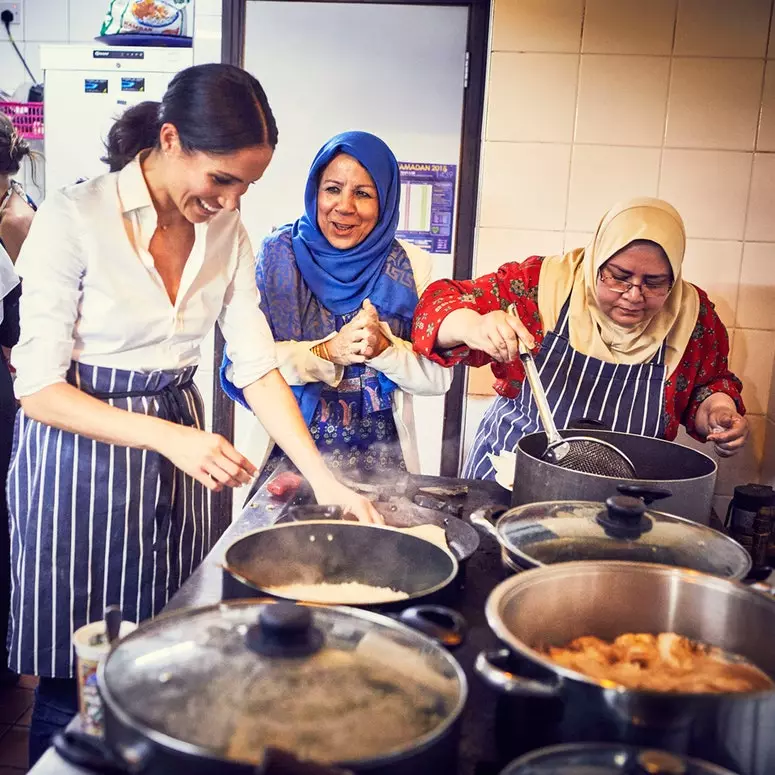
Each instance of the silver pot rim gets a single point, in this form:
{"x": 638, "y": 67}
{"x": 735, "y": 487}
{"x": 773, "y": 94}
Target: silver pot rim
{"x": 570, "y": 569}
{"x": 181, "y": 746}
{"x": 520, "y": 450}
{"x": 533, "y": 563}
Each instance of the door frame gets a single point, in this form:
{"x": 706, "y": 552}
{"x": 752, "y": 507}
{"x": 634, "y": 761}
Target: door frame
{"x": 234, "y": 13}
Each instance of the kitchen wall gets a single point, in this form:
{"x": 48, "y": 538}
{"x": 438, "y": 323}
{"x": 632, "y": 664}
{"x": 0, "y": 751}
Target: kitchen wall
{"x": 591, "y": 102}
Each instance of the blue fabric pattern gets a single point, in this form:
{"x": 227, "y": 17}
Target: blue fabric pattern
{"x": 344, "y": 278}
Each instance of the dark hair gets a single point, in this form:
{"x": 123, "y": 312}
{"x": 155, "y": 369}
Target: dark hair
{"x": 215, "y": 108}
{"x": 13, "y": 147}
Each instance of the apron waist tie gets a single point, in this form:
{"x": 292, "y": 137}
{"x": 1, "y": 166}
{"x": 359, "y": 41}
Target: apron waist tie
{"x": 173, "y": 407}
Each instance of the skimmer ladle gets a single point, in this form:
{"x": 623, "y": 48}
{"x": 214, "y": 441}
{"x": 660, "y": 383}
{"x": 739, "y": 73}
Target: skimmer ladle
{"x": 577, "y": 453}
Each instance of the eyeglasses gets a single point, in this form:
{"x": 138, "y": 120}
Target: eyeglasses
{"x": 648, "y": 288}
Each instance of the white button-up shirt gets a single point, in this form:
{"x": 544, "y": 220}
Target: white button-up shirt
{"x": 91, "y": 292}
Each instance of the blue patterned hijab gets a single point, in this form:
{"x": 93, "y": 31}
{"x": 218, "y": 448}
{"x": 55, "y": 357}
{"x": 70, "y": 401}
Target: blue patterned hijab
{"x": 344, "y": 278}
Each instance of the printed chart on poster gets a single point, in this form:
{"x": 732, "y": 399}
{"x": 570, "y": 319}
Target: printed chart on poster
{"x": 427, "y": 205}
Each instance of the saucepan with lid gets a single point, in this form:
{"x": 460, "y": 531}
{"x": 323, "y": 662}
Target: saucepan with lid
{"x": 210, "y": 690}
{"x": 622, "y": 528}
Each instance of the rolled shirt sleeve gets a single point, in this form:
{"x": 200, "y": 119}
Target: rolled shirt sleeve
{"x": 52, "y": 267}
{"x": 249, "y": 343}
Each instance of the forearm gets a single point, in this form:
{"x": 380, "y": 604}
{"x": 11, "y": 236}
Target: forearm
{"x": 714, "y": 401}
{"x": 64, "y": 406}
{"x": 452, "y": 330}
{"x": 273, "y": 403}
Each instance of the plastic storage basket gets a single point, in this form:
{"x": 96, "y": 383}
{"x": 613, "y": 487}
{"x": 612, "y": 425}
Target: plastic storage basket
{"x": 27, "y": 117}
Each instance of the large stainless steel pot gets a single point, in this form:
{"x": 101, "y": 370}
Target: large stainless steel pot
{"x": 554, "y": 605}
{"x": 208, "y": 691}
{"x": 688, "y": 474}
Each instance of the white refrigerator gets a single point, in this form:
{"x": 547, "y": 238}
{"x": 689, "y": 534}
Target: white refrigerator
{"x": 86, "y": 88}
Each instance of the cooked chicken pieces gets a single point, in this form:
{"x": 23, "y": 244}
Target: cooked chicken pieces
{"x": 666, "y": 662}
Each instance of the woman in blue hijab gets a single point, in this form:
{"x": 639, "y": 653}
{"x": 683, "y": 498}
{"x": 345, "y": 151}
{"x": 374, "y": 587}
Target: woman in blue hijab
{"x": 339, "y": 292}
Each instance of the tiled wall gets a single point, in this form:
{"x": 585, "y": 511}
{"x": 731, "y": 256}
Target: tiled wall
{"x": 590, "y": 102}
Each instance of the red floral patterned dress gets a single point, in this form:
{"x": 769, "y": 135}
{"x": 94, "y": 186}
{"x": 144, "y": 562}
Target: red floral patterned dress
{"x": 703, "y": 369}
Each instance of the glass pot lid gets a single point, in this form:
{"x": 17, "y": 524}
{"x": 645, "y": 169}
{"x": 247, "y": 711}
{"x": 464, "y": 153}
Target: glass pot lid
{"x": 622, "y": 528}
{"x": 605, "y": 759}
{"x": 330, "y": 685}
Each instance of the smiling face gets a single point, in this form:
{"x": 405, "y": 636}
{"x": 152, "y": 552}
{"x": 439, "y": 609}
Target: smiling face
{"x": 348, "y": 202}
{"x": 645, "y": 265}
{"x": 202, "y": 184}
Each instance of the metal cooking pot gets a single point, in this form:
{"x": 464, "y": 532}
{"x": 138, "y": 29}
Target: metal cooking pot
{"x": 208, "y": 690}
{"x": 689, "y": 475}
{"x": 608, "y": 759}
{"x": 622, "y": 528}
{"x": 335, "y": 552}
{"x": 554, "y": 605}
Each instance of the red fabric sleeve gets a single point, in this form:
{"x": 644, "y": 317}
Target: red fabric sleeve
{"x": 514, "y": 283}
{"x": 704, "y": 369}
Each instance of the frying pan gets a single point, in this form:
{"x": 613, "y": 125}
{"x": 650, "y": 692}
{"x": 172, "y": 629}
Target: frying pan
{"x": 318, "y": 551}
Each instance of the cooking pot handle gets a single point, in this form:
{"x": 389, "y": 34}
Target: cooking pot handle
{"x": 93, "y": 754}
{"x": 508, "y": 682}
{"x": 647, "y": 493}
{"x": 484, "y": 518}
{"x": 447, "y": 627}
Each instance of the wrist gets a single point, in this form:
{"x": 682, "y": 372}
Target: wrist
{"x": 321, "y": 351}
{"x": 155, "y": 433}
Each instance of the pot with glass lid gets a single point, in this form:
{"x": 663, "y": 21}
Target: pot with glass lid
{"x": 622, "y": 528}
{"x": 222, "y": 689}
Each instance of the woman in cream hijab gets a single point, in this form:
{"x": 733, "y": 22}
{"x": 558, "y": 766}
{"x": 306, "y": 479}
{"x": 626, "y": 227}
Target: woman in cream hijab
{"x": 624, "y": 340}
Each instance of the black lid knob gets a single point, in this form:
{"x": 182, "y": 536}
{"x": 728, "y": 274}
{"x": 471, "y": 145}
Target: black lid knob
{"x": 647, "y": 493}
{"x": 624, "y": 517}
{"x": 284, "y": 630}
{"x": 752, "y": 497}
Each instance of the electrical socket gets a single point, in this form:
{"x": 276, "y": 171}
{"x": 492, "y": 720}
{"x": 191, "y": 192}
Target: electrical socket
{"x": 15, "y": 9}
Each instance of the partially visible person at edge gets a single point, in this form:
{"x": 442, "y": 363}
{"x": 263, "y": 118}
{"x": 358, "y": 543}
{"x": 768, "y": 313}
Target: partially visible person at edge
{"x": 10, "y": 290}
{"x": 16, "y": 207}
{"x": 622, "y": 338}
{"x": 339, "y": 292}
{"x": 124, "y": 275}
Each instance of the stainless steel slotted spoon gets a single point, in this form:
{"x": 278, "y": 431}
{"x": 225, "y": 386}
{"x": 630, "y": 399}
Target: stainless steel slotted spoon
{"x": 578, "y": 453}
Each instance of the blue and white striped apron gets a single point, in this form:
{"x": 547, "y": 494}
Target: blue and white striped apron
{"x": 627, "y": 398}
{"x": 96, "y": 524}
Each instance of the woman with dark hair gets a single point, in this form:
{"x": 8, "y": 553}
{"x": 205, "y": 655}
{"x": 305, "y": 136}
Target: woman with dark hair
{"x": 16, "y": 207}
{"x": 125, "y": 274}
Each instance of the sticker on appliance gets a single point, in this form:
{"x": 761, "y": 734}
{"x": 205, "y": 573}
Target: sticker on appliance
{"x": 427, "y": 205}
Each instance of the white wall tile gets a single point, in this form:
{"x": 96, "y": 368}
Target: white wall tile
{"x": 771, "y": 49}
{"x": 532, "y": 97}
{"x": 602, "y": 175}
{"x": 756, "y": 302}
{"x": 722, "y": 28}
{"x": 771, "y": 404}
{"x": 500, "y": 246}
{"x": 32, "y": 55}
{"x": 206, "y": 50}
{"x": 746, "y": 465}
{"x": 761, "y": 209}
{"x": 577, "y": 239}
{"x": 45, "y": 20}
{"x": 752, "y": 361}
{"x": 480, "y": 381}
{"x": 208, "y": 26}
{"x": 629, "y": 26}
{"x": 768, "y": 463}
{"x": 714, "y": 103}
{"x": 535, "y": 25}
{"x": 12, "y": 73}
{"x": 524, "y": 185}
{"x": 709, "y": 189}
{"x": 714, "y": 265}
{"x": 765, "y": 140}
{"x": 622, "y": 99}
{"x": 85, "y": 19}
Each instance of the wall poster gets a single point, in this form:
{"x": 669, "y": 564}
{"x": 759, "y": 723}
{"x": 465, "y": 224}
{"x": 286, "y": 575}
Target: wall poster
{"x": 427, "y": 205}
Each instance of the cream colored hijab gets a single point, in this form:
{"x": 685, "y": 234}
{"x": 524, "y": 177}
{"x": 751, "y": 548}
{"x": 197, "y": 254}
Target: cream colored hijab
{"x": 574, "y": 274}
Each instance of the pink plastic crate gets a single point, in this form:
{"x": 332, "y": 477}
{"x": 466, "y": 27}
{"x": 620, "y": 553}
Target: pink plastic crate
{"x": 27, "y": 117}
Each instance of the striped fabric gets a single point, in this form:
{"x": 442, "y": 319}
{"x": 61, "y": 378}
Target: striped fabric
{"x": 628, "y": 399}
{"x": 96, "y": 524}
